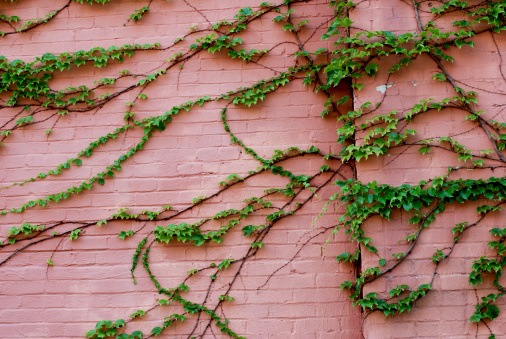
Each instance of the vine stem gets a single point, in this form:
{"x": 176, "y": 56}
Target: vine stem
{"x": 480, "y": 119}
{"x": 397, "y": 263}
{"x": 40, "y": 22}
{"x": 41, "y": 240}
{"x": 500, "y": 56}
{"x": 417, "y": 15}
{"x": 295, "y": 255}
{"x": 263, "y": 234}
{"x": 363, "y": 322}
{"x": 458, "y": 238}
{"x": 179, "y": 212}
{"x": 311, "y": 61}
{"x": 450, "y": 79}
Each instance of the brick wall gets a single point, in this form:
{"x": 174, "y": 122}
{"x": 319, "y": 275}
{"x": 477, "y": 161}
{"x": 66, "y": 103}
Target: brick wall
{"x": 290, "y": 288}
{"x": 90, "y": 280}
{"x": 446, "y": 310}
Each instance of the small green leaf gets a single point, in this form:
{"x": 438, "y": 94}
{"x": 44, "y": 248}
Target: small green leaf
{"x": 75, "y": 234}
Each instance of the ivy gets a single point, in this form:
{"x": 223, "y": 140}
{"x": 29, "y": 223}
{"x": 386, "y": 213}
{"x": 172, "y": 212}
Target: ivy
{"x": 26, "y": 229}
{"x": 105, "y": 328}
{"x": 75, "y": 234}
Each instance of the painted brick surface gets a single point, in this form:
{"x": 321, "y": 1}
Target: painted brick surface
{"x": 291, "y": 287}
{"x": 284, "y": 291}
{"x": 446, "y": 310}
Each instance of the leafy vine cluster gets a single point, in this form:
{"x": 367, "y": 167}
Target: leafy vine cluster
{"x": 364, "y": 132}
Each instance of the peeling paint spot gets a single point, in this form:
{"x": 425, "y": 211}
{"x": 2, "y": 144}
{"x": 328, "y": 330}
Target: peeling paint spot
{"x": 383, "y": 88}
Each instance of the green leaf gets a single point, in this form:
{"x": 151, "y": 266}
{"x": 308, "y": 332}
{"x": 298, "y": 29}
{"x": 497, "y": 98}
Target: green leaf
{"x": 424, "y": 149}
{"x": 139, "y": 313}
{"x": 288, "y": 27}
{"x": 343, "y": 257}
{"x": 124, "y": 234}
{"x": 245, "y": 11}
{"x": 440, "y": 77}
{"x": 371, "y": 69}
{"x": 75, "y": 234}
{"x": 156, "y": 331}
{"x": 248, "y": 230}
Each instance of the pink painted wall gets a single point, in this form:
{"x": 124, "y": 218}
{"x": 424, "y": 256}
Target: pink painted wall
{"x": 90, "y": 280}
{"x": 446, "y": 310}
{"x": 291, "y": 287}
